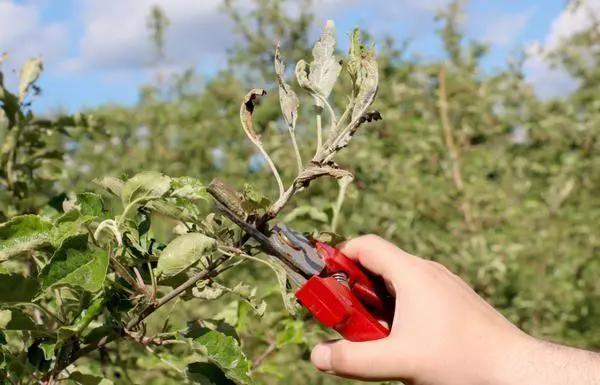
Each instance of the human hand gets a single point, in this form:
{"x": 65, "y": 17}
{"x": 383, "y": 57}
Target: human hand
{"x": 443, "y": 332}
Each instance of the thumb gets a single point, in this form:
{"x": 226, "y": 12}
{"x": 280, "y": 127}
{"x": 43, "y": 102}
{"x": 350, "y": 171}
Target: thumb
{"x": 358, "y": 360}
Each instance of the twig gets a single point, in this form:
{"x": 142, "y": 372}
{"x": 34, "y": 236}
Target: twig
{"x": 260, "y": 359}
{"x": 451, "y": 146}
{"x": 209, "y": 272}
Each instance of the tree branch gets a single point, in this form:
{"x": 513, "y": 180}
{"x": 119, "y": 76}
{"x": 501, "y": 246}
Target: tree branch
{"x": 451, "y": 146}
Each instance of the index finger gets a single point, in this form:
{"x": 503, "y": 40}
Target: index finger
{"x": 376, "y": 254}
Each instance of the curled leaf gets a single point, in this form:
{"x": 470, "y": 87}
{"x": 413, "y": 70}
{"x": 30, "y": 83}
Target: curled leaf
{"x": 246, "y": 110}
{"x": 302, "y": 77}
{"x": 207, "y": 291}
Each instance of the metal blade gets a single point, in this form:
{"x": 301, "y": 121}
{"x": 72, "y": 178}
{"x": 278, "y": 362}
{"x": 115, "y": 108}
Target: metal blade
{"x": 297, "y": 277}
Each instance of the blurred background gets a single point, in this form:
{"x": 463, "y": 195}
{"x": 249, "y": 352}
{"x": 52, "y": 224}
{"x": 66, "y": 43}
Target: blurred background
{"x": 499, "y": 187}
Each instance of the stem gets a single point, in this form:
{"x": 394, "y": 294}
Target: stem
{"x": 45, "y": 311}
{"x": 282, "y": 201}
{"x": 273, "y": 169}
{"x": 319, "y": 130}
{"x": 338, "y": 204}
{"x": 296, "y": 149}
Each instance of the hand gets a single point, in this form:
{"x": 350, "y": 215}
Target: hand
{"x": 443, "y": 332}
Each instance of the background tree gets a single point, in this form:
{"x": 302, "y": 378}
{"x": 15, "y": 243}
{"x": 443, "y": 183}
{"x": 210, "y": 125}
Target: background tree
{"x": 443, "y": 175}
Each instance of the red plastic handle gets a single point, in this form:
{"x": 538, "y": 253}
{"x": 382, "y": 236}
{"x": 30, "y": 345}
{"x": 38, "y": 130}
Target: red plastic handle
{"x": 355, "y": 310}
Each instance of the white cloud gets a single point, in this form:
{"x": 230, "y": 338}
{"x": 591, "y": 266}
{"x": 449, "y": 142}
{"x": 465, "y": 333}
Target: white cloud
{"x": 115, "y": 35}
{"x": 23, "y": 34}
{"x": 556, "y": 82}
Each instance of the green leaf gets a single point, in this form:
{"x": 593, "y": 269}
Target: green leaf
{"x": 225, "y": 352}
{"x": 90, "y": 204}
{"x": 184, "y": 252}
{"x": 204, "y": 373}
{"x": 253, "y": 200}
{"x": 145, "y": 185}
{"x": 111, "y": 184}
{"x": 69, "y": 225}
{"x": 76, "y": 263}
{"x": 17, "y": 289}
{"x": 249, "y": 295}
{"x": 189, "y": 188}
{"x": 23, "y": 233}
{"x": 86, "y": 317}
{"x": 48, "y": 349}
{"x": 293, "y": 333}
{"x": 30, "y": 72}
{"x": 16, "y": 320}
{"x": 88, "y": 379}
{"x": 325, "y": 67}
{"x": 288, "y": 298}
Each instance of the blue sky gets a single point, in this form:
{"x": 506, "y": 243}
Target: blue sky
{"x": 95, "y": 51}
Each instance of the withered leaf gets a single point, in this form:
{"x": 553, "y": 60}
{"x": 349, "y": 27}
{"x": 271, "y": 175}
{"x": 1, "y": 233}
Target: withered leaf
{"x": 30, "y": 72}
{"x": 287, "y": 97}
{"x": 246, "y": 110}
{"x": 325, "y": 67}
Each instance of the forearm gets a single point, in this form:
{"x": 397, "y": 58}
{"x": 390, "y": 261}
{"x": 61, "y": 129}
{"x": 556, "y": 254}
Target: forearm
{"x": 545, "y": 363}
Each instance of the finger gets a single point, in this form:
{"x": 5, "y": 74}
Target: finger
{"x": 356, "y": 359}
{"x": 376, "y": 254}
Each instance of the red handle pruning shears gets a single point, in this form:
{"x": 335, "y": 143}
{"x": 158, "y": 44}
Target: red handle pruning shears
{"x": 336, "y": 291}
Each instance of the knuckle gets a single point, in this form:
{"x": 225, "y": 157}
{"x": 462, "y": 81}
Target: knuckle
{"x": 436, "y": 267}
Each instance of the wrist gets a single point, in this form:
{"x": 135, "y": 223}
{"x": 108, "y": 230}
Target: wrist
{"x": 532, "y": 361}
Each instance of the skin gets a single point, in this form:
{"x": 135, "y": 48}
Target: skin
{"x": 445, "y": 334}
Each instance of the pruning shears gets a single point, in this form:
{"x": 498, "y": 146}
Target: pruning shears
{"x": 334, "y": 289}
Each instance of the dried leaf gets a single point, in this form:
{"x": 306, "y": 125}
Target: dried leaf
{"x": 325, "y": 67}
{"x": 246, "y": 110}
{"x": 364, "y": 72}
{"x": 287, "y": 97}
